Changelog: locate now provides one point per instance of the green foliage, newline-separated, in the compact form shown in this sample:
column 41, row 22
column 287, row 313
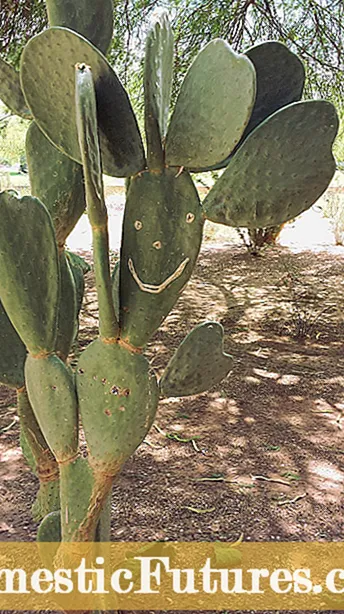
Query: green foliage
column 12, row 139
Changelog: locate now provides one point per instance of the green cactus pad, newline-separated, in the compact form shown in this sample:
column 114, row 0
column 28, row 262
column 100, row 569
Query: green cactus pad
column 157, row 86
column 198, row 364
column 50, row 530
column 68, row 315
column 11, row 92
column 86, row 112
column 79, row 268
column 115, row 287
column 48, row 80
column 12, row 353
column 118, row 397
column 56, row 180
column 162, row 234
column 93, row 19
column 280, row 170
column 47, row 500
column 29, row 274
column 213, row 108
column 51, row 391
column 280, row 79
column 77, row 485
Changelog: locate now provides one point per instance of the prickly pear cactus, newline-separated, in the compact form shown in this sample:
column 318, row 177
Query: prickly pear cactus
column 242, row 112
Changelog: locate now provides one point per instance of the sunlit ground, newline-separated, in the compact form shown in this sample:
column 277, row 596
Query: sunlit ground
column 310, row 231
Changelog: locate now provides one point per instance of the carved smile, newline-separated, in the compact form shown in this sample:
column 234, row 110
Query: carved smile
column 156, row 289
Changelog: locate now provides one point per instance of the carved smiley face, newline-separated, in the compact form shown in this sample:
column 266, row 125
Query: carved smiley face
column 162, row 234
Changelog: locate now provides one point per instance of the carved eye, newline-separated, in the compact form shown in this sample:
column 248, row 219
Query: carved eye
column 157, row 244
column 138, row 224
column 190, row 218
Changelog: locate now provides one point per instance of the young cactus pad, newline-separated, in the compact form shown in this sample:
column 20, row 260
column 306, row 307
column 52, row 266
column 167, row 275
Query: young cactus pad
column 157, row 87
column 198, row 364
column 48, row 81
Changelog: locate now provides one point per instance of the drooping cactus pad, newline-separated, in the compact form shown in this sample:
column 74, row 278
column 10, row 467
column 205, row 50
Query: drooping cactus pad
column 48, row 80
column 162, row 233
column 212, row 109
column 280, row 170
column 198, row 364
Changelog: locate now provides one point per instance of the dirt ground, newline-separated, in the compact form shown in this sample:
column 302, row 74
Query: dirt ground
column 279, row 415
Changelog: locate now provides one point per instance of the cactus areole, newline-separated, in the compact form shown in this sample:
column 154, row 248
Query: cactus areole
column 241, row 112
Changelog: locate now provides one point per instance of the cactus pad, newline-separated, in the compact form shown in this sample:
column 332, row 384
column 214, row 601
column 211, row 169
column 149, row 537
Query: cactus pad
column 77, row 483
column 157, row 86
column 280, row 170
column 68, row 315
column 47, row 500
column 12, row 354
column 162, row 233
column 51, row 392
column 50, row 530
column 29, row 274
column 280, row 79
column 48, row 80
column 56, row 180
column 198, row 364
column 79, row 268
column 11, row 92
column 213, row 108
column 118, row 397
column 93, row 19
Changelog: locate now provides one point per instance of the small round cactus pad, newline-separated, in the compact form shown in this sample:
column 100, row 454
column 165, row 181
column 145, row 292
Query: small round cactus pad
column 198, row 364
column 48, row 80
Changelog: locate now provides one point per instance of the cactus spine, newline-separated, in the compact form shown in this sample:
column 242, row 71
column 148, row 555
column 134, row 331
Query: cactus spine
column 223, row 117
